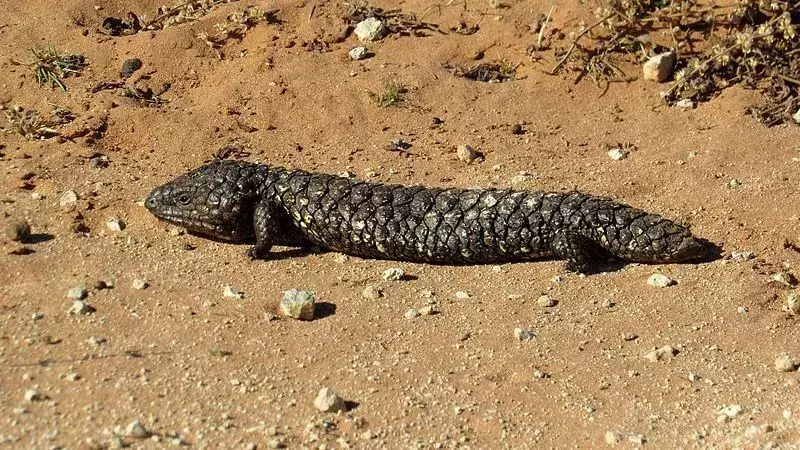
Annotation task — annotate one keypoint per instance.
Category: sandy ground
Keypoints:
(206, 371)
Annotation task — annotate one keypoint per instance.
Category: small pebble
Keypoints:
(629, 336)
(99, 285)
(546, 302)
(140, 284)
(129, 67)
(730, 411)
(298, 304)
(637, 439)
(613, 437)
(371, 292)
(660, 280)
(115, 224)
(685, 104)
(393, 274)
(660, 354)
(659, 67)
(81, 308)
(426, 310)
(18, 230)
(517, 129)
(461, 295)
(734, 184)
(231, 292)
(97, 341)
(33, 395)
(358, 53)
(77, 293)
(329, 401)
(73, 376)
(68, 198)
(618, 154)
(608, 303)
(523, 177)
(784, 278)
(694, 378)
(412, 314)
(523, 334)
(785, 363)
(370, 29)
(466, 153)
(742, 256)
(135, 429)
(37, 316)
(793, 302)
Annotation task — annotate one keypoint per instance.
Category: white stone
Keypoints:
(660, 280)
(685, 104)
(140, 284)
(796, 116)
(231, 292)
(785, 363)
(412, 314)
(659, 67)
(461, 295)
(546, 301)
(613, 437)
(371, 292)
(115, 224)
(80, 308)
(793, 302)
(426, 310)
(68, 198)
(298, 304)
(617, 154)
(32, 395)
(393, 274)
(523, 334)
(358, 53)
(466, 153)
(329, 401)
(77, 293)
(370, 29)
(135, 429)
(661, 353)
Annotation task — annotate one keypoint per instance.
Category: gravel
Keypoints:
(329, 401)
(298, 304)
(18, 230)
(660, 280)
(370, 29)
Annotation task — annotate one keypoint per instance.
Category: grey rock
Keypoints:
(298, 304)
(358, 53)
(412, 313)
(393, 274)
(231, 292)
(660, 280)
(785, 363)
(659, 67)
(370, 29)
(135, 429)
(68, 198)
(523, 334)
(129, 67)
(466, 153)
(81, 308)
(618, 154)
(328, 401)
(77, 293)
(661, 353)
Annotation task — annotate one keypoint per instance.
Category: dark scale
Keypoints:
(253, 203)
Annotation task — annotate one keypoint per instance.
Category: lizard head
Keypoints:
(651, 238)
(216, 200)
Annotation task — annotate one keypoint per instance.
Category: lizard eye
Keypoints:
(184, 199)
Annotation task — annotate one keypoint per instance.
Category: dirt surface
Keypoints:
(207, 371)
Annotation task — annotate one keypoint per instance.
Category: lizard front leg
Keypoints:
(266, 224)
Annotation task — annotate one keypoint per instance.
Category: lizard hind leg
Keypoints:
(578, 251)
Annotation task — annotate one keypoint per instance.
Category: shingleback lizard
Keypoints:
(244, 202)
